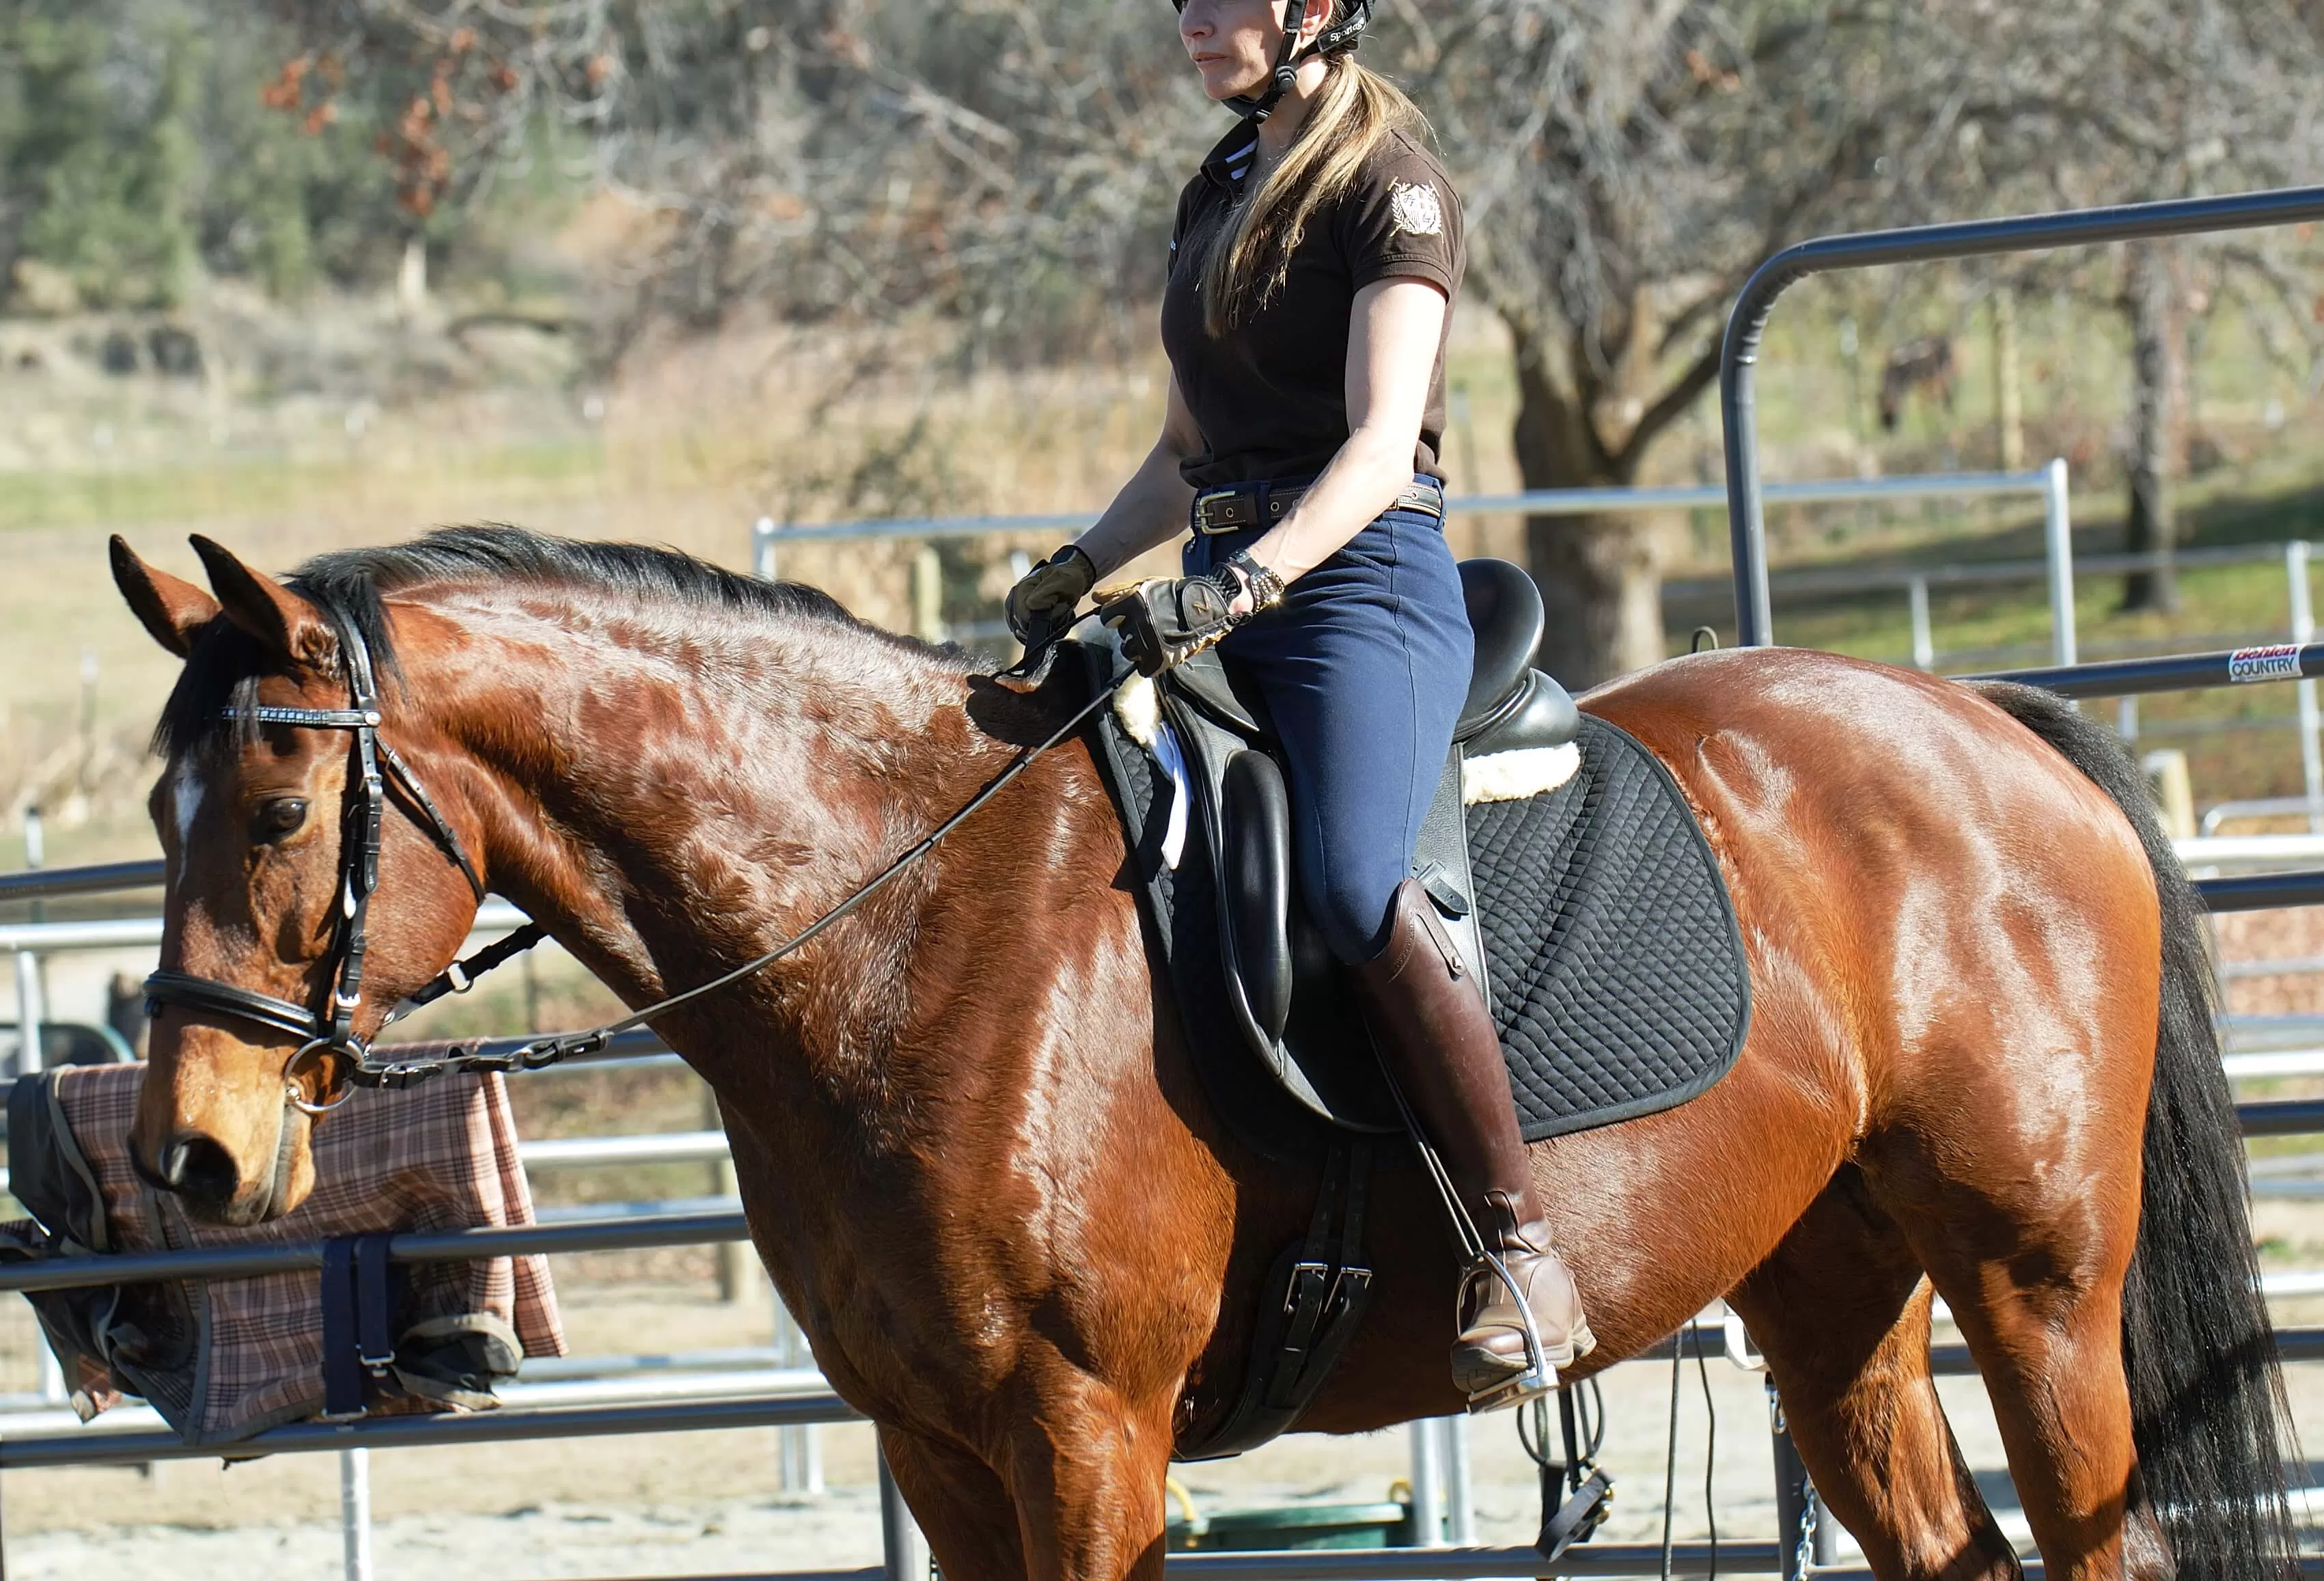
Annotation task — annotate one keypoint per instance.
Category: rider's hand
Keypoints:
(1166, 622)
(1042, 603)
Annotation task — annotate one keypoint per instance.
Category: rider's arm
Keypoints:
(1393, 336)
(1152, 506)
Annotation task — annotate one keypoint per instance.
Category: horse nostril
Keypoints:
(196, 1166)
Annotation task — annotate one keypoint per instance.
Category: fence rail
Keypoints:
(768, 536)
(97, 1446)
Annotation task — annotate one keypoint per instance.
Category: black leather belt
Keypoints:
(1259, 504)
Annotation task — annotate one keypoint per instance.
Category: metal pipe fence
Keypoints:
(735, 1401)
(1746, 325)
(2299, 660)
(679, 1407)
(769, 538)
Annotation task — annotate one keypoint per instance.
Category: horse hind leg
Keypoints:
(1840, 1310)
(2043, 1317)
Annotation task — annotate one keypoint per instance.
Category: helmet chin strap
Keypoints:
(1257, 107)
(1334, 40)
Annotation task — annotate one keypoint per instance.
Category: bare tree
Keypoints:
(1626, 166)
(2163, 99)
(1004, 169)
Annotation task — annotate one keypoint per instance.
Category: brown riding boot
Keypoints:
(1439, 1045)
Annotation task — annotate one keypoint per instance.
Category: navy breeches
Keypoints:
(1364, 666)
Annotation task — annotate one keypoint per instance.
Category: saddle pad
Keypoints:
(1617, 972)
(1619, 978)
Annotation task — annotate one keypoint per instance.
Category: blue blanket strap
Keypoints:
(357, 1326)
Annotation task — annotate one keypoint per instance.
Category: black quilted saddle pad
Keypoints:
(1618, 973)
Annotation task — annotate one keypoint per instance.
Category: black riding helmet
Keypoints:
(1338, 40)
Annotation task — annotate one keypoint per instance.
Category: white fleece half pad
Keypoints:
(1516, 776)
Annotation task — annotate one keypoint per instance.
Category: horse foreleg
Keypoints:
(962, 1505)
(1087, 1469)
(1841, 1312)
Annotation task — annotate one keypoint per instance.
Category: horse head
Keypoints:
(262, 824)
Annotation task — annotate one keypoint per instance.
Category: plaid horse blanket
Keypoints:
(224, 1359)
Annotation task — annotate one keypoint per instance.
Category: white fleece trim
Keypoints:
(1514, 776)
(1139, 706)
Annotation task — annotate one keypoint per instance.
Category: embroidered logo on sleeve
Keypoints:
(1416, 207)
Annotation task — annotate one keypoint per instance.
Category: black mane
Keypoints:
(350, 586)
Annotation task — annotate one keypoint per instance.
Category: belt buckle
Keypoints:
(1202, 503)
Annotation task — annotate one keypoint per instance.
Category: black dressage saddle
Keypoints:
(1569, 870)
(1281, 988)
(1571, 874)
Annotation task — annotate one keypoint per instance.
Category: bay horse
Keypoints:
(978, 1163)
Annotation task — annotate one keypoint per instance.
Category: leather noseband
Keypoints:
(328, 1025)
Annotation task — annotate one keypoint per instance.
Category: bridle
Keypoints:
(374, 768)
(327, 1025)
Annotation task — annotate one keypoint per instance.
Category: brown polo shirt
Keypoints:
(1270, 395)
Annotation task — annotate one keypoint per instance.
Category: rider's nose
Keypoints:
(196, 1167)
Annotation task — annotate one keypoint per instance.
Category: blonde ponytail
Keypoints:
(1247, 255)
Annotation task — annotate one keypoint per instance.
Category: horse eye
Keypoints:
(278, 817)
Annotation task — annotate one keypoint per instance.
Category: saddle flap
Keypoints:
(1269, 963)
(1207, 682)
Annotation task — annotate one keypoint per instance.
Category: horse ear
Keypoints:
(173, 611)
(287, 623)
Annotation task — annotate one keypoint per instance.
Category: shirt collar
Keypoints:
(1230, 161)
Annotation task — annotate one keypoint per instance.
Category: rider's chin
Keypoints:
(1224, 79)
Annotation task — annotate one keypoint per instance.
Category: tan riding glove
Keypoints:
(1041, 605)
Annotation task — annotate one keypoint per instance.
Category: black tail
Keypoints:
(2206, 1397)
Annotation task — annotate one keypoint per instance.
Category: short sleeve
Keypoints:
(1403, 218)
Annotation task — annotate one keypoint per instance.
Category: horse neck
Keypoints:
(672, 793)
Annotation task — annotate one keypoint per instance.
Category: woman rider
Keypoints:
(1312, 268)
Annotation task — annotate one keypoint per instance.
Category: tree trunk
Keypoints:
(2155, 331)
(412, 276)
(1601, 579)
(2008, 403)
(1600, 576)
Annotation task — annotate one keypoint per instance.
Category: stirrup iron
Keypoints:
(1538, 1378)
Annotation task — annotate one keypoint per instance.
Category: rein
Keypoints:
(330, 1027)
